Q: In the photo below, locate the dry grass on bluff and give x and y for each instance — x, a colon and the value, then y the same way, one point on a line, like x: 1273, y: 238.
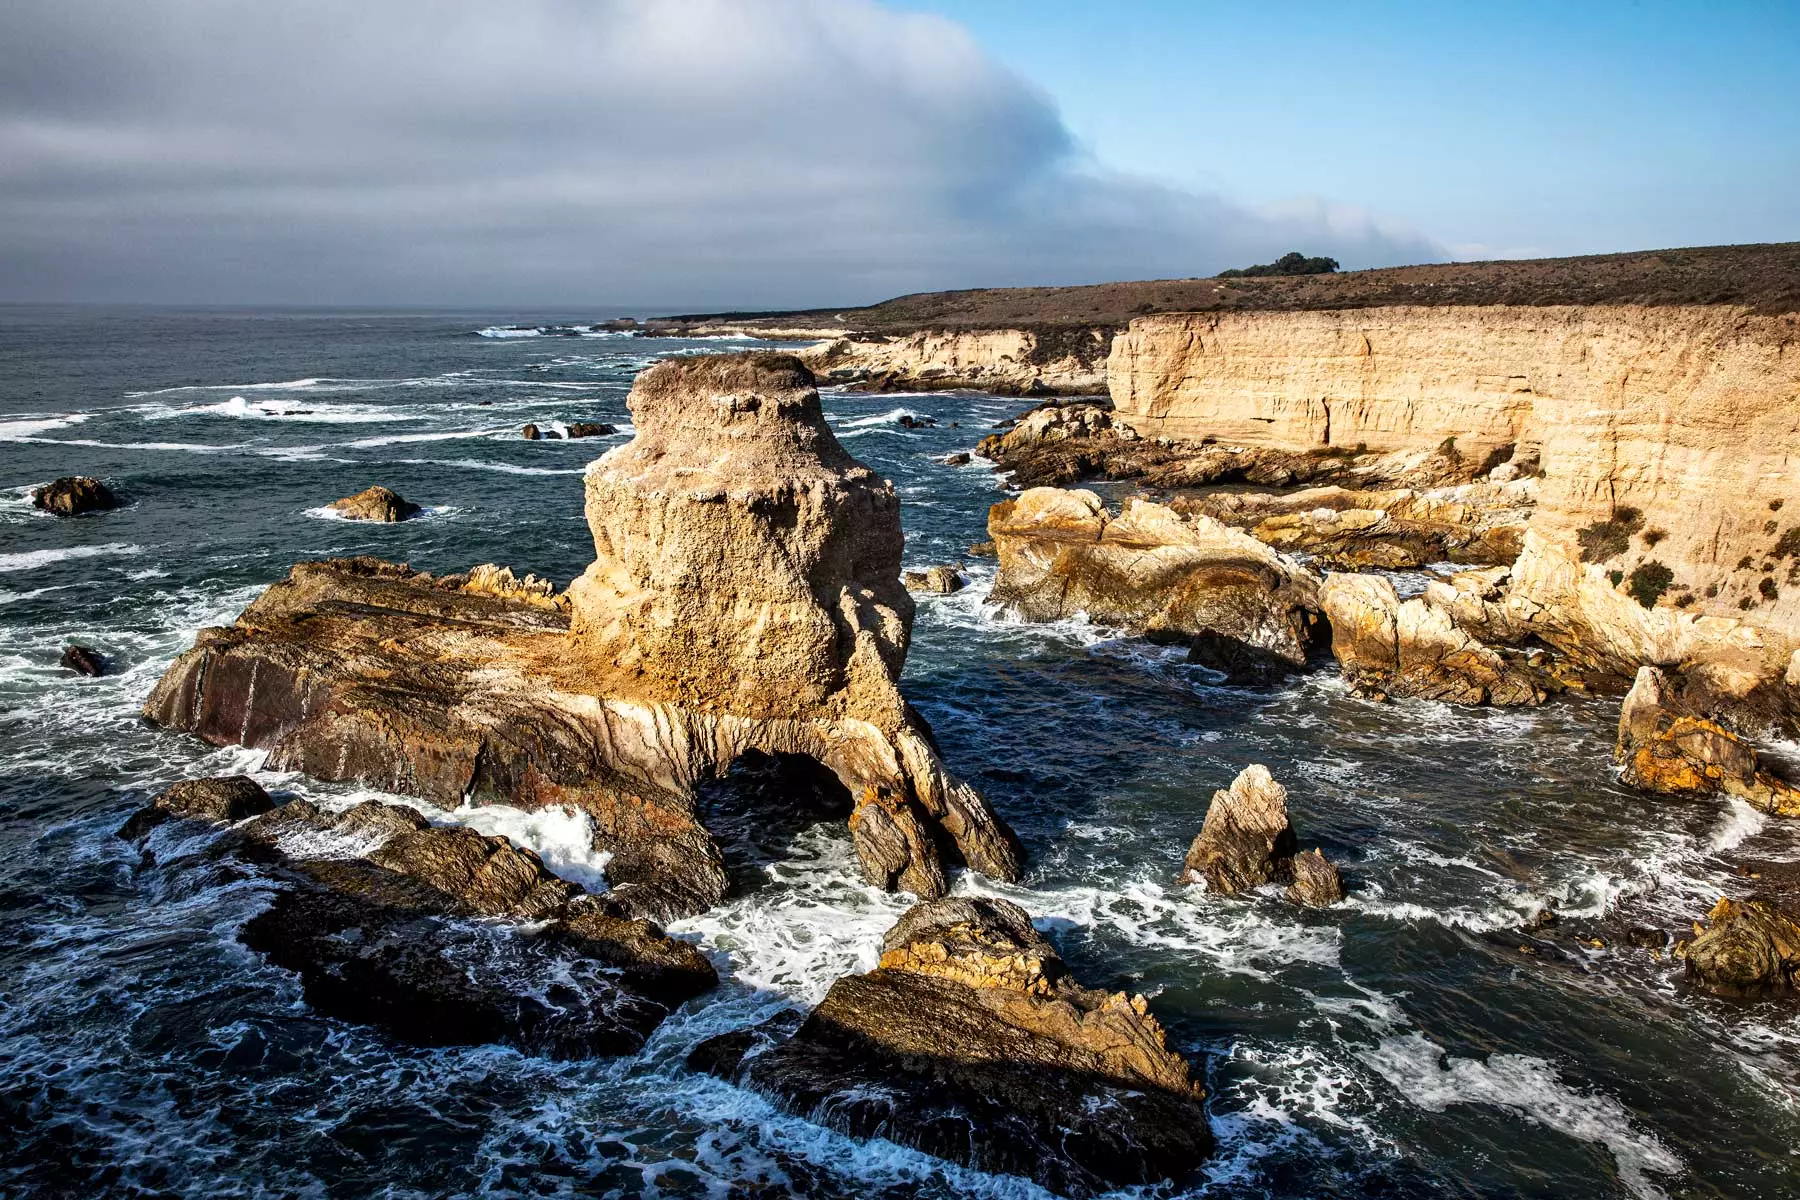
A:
x: 1765, y: 278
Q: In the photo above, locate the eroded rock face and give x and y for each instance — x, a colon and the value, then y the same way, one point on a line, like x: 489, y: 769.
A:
x: 1750, y: 946
x: 972, y: 1042
x: 73, y: 495
x: 1428, y: 647
x: 1013, y: 362
x: 375, y: 504
x: 745, y: 597
x: 1149, y: 570
x: 1664, y: 746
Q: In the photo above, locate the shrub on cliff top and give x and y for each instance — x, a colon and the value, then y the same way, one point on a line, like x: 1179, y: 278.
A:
x: 1291, y: 263
x: 1648, y: 582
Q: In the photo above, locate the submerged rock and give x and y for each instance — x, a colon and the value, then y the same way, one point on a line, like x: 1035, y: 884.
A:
x: 940, y: 581
x: 83, y: 660
x: 375, y: 504
x: 1247, y: 841
x: 221, y: 799
x: 1149, y: 570
x: 972, y: 1041
x: 1664, y: 747
x: 74, y: 495
x: 1750, y: 946
x: 745, y: 597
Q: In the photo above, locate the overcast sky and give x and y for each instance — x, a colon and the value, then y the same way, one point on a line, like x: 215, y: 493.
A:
x: 629, y: 154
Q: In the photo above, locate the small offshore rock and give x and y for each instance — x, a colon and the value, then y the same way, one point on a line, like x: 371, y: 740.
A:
x: 375, y: 504
x: 83, y: 660
x: 582, y: 429
x: 1647, y: 938
x: 1748, y: 947
x: 227, y: 798
x: 1664, y: 747
x: 531, y: 433
x: 74, y: 495
x: 1316, y: 882
x: 908, y: 421
x: 982, y: 550
x: 959, y: 459
x: 1246, y: 840
x: 940, y: 580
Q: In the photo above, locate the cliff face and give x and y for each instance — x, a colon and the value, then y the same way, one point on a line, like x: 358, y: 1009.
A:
x: 1011, y: 361
x: 1666, y: 438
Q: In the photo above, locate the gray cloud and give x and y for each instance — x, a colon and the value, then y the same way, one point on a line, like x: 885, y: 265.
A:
x: 633, y: 152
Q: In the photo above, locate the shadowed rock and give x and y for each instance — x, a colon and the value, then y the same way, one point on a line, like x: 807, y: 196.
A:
x: 228, y: 798
x: 972, y: 1042
x: 83, y: 660
x: 74, y: 495
x: 745, y: 596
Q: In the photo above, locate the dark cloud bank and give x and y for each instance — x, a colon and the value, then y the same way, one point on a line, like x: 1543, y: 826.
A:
x: 625, y: 152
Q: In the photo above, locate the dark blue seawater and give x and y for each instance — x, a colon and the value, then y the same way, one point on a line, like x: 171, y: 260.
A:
x: 1397, y: 1045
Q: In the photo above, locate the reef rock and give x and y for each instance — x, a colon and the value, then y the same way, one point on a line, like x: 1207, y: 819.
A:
x: 939, y: 581
x: 1149, y: 570
x: 1427, y: 646
x: 375, y: 914
x: 1665, y: 747
x: 375, y: 504
x: 971, y: 1041
x: 582, y: 429
x: 745, y: 597
x: 221, y: 799
x: 74, y: 495
x: 1750, y: 946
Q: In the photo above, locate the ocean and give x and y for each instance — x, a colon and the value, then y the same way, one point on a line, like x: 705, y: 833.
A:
x: 1413, y: 1041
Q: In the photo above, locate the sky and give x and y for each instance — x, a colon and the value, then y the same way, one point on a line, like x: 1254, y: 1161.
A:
x: 682, y: 155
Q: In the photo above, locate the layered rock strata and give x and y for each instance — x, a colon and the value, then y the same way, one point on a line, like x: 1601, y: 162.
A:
x: 375, y: 912
x: 1247, y: 841
x: 973, y: 1042
x: 1018, y: 362
x: 745, y: 597
x: 1151, y: 570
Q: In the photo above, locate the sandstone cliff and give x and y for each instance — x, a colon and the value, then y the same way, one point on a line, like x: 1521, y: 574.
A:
x: 1020, y: 362
x: 1664, y: 438
x: 744, y: 600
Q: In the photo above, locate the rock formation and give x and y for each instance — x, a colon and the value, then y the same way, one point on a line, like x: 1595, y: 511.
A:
x: 582, y: 429
x: 1750, y: 946
x: 971, y: 1041
x: 939, y: 580
x: 745, y: 597
x: 74, y: 495
x: 373, y: 913
x: 1665, y: 747
x: 1149, y: 570
x: 1016, y: 362
x: 375, y: 504
x: 83, y: 660
x: 1426, y: 646
x: 1247, y: 841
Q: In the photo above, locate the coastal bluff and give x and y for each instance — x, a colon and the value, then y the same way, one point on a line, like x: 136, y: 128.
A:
x: 744, y: 605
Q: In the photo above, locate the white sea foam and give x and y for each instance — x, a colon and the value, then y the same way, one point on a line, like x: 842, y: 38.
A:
x: 502, y: 332
x: 1531, y: 1088
x: 404, y: 438
x: 472, y: 464
x: 427, y: 512
x: 26, y: 427
x: 276, y: 409
x: 891, y: 417
x: 31, y: 560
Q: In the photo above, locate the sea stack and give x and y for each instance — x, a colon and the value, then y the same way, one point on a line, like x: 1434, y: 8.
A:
x: 745, y: 599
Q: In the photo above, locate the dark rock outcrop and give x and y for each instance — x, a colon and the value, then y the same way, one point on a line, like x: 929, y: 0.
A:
x: 1247, y: 841
x: 583, y: 429
x: 375, y: 504
x: 223, y: 799
x: 83, y: 660
x: 1665, y: 747
x: 745, y: 596
x: 971, y: 1041
x: 74, y: 495
x: 531, y: 433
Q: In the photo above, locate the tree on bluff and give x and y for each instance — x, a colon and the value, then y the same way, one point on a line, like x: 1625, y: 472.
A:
x: 1291, y: 263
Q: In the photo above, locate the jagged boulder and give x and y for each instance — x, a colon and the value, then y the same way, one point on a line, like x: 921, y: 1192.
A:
x: 221, y: 799
x: 938, y: 581
x: 1247, y: 841
x: 1424, y: 647
x: 1749, y: 946
x: 745, y: 598
x: 1665, y: 747
x: 375, y: 504
x: 972, y: 1041
x: 1149, y: 570
x: 74, y: 495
